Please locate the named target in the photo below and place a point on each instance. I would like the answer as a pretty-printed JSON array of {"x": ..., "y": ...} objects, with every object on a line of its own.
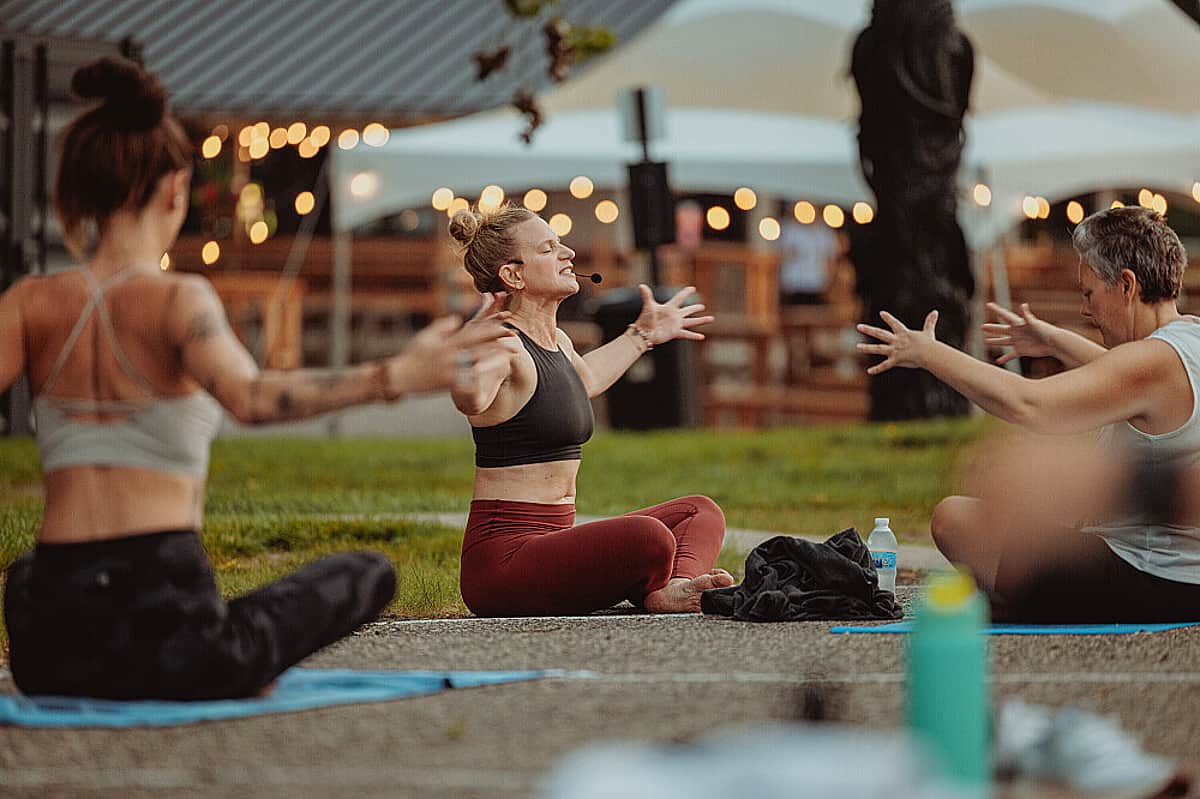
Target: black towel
[{"x": 789, "y": 579}]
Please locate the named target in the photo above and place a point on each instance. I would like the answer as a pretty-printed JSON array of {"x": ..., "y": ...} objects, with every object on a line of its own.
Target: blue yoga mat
[
  {"x": 1034, "y": 629},
  {"x": 296, "y": 689}
]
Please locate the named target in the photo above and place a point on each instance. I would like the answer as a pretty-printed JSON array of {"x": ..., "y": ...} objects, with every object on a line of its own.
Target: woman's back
[{"x": 111, "y": 399}]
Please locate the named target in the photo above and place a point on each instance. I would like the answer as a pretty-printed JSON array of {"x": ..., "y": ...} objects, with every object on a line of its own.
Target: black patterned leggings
[{"x": 140, "y": 618}]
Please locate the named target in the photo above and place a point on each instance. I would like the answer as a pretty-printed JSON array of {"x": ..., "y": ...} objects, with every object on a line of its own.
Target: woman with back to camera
[
  {"x": 130, "y": 368},
  {"x": 1139, "y": 389},
  {"x": 522, "y": 554}
]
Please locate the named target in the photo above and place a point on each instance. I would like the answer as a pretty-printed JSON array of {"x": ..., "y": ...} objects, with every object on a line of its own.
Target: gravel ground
[{"x": 656, "y": 678}]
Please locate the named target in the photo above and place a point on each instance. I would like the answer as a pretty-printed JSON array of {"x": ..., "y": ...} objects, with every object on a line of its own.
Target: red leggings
[{"x": 526, "y": 559}]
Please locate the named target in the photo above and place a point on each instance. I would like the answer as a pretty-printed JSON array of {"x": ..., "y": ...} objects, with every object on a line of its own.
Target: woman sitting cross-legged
[
  {"x": 1139, "y": 389},
  {"x": 132, "y": 369},
  {"x": 522, "y": 554}
]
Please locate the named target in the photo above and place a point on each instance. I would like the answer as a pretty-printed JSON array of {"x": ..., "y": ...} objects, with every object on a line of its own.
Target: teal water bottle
[{"x": 948, "y": 680}]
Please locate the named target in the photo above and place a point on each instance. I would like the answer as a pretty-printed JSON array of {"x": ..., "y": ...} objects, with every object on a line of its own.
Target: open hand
[
  {"x": 900, "y": 346},
  {"x": 447, "y": 355},
  {"x": 663, "y": 322},
  {"x": 1024, "y": 333}
]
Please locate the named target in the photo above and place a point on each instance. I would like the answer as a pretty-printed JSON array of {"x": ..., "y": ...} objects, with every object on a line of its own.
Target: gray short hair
[{"x": 1137, "y": 239}]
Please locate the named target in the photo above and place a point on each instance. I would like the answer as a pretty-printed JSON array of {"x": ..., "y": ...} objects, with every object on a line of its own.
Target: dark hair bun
[
  {"x": 464, "y": 225},
  {"x": 130, "y": 93}
]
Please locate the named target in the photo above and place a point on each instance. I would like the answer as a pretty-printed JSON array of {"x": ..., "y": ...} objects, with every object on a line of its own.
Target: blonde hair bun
[{"x": 464, "y": 225}]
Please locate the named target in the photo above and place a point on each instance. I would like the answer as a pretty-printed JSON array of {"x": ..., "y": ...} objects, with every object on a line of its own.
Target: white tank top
[{"x": 1164, "y": 550}]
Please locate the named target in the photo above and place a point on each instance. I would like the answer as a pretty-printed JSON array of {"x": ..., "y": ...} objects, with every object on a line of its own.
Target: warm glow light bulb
[
  {"x": 307, "y": 149},
  {"x": 442, "y": 197},
  {"x": 296, "y": 132},
  {"x": 320, "y": 136},
  {"x": 278, "y": 138},
  {"x": 258, "y": 232},
  {"x": 1029, "y": 206},
  {"x": 364, "y": 184},
  {"x": 717, "y": 217},
  {"x": 1117, "y": 204},
  {"x": 210, "y": 252},
  {"x": 560, "y": 224},
  {"x": 348, "y": 139},
  {"x": 982, "y": 195},
  {"x": 1159, "y": 204},
  {"x": 581, "y": 187},
  {"x": 1145, "y": 198},
  {"x": 834, "y": 216},
  {"x": 1196, "y": 191},
  {"x": 805, "y": 212},
  {"x": 375, "y": 134},
  {"x": 535, "y": 200},
  {"x": 745, "y": 198},
  {"x": 607, "y": 211},
  {"x": 863, "y": 213},
  {"x": 768, "y": 228},
  {"x": 491, "y": 196},
  {"x": 164, "y": 263},
  {"x": 305, "y": 202},
  {"x": 246, "y": 135},
  {"x": 1074, "y": 212},
  {"x": 456, "y": 205},
  {"x": 1043, "y": 208},
  {"x": 259, "y": 148},
  {"x": 211, "y": 147}
]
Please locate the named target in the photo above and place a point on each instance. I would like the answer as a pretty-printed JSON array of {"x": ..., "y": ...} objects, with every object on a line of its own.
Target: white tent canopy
[{"x": 1069, "y": 95}]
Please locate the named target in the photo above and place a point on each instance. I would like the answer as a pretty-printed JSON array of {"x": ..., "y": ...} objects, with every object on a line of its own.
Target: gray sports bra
[{"x": 164, "y": 434}]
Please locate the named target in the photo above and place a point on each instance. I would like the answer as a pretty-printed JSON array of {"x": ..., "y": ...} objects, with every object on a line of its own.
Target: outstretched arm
[
  {"x": 12, "y": 337},
  {"x": 657, "y": 324},
  {"x": 1028, "y": 335},
  {"x": 438, "y": 358},
  {"x": 1120, "y": 386}
]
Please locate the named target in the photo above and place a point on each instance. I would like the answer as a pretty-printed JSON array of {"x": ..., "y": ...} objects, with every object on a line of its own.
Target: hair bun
[
  {"x": 135, "y": 97},
  {"x": 464, "y": 225}
]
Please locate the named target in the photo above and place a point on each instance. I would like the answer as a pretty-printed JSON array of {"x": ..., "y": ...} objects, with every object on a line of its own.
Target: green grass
[{"x": 274, "y": 504}]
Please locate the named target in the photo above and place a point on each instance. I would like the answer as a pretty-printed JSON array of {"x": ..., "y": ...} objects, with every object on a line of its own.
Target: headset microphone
[{"x": 595, "y": 277}]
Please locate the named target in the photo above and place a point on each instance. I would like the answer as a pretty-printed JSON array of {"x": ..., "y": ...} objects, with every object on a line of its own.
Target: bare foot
[{"x": 682, "y": 594}]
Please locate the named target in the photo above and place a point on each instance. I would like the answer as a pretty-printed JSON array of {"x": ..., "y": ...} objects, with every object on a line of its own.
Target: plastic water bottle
[
  {"x": 947, "y": 681},
  {"x": 882, "y": 543}
]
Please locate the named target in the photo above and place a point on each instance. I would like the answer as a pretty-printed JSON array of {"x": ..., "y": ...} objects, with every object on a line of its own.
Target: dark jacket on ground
[{"x": 789, "y": 579}]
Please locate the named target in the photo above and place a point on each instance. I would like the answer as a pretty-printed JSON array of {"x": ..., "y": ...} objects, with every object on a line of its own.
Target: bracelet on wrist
[
  {"x": 637, "y": 335},
  {"x": 383, "y": 382}
]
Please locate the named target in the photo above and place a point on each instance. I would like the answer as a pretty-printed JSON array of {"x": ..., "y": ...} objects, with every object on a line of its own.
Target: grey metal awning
[{"x": 387, "y": 59}]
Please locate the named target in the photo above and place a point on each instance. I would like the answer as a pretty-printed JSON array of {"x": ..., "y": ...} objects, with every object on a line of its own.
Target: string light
[
  {"x": 560, "y": 224},
  {"x": 258, "y": 232},
  {"x": 1117, "y": 204},
  {"x": 535, "y": 200},
  {"x": 805, "y": 212},
  {"x": 364, "y": 184},
  {"x": 261, "y": 130},
  {"x": 348, "y": 139},
  {"x": 210, "y": 252},
  {"x": 319, "y": 136},
  {"x": 768, "y": 228},
  {"x": 745, "y": 198},
  {"x": 581, "y": 187},
  {"x": 1159, "y": 204},
  {"x": 307, "y": 149},
  {"x": 305, "y": 202},
  {"x": 296, "y": 132},
  {"x": 221, "y": 132},
  {"x": 1146, "y": 198},
  {"x": 607, "y": 211},
  {"x": 982, "y": 195},
  {"x": 1196, "y": 191},
  {"x": 375, "y": 135},
  {"x": 718, "y": 218},
  {"x": 259, "y": 148},
  {"x": 491, "y": 196},
  {"x": 1074, "y": 212},
  {"x": 1043, "y": 208},
  {"x": 863, "y": 213},
  {"x": 441, "y": 198},
  {"x": 456, "y": 205},
  {"x": 834, "y": 216},
  {"x": 278, "y": 138},
  {"x": 246, "y": 135},
  {"x": 164, "y": 263},
  {"x": 211, "y": 147},
  {"x": 1029, "y": 206}
]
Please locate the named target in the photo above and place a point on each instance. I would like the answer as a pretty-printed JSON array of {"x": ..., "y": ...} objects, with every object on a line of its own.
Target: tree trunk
[{"x": 913, "y": 68}]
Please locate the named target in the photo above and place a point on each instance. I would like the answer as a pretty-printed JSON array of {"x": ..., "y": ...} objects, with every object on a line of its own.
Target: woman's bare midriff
[
  {"x": 550, "y": 483},
  {"x": 91, "y": 503}
]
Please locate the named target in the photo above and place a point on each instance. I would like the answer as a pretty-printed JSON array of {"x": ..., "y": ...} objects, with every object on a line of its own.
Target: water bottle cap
[{"x": 882, "y": 521}]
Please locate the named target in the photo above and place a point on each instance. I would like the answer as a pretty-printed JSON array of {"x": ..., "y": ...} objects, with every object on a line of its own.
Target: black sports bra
[{"x": 551, "y": 426}]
